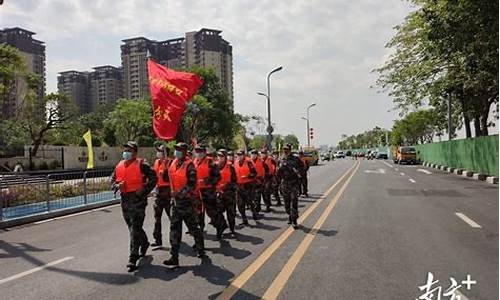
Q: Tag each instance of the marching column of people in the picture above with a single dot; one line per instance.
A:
(217, 184)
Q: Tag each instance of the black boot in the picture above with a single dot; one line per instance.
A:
(132, 264)
(244, 222)
(294, 224)
(255, 216)
(157, 243)
(201, 254)
(144, 249)
(173, 261)
(289, 220)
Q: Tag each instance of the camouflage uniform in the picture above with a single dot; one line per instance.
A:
(134, 210)
(303, 178)
(183, 210)
(288, 175)
(245, 195)
(163, 202)
(227, 197)
(258, 189)
(275, 184)
(212, 205)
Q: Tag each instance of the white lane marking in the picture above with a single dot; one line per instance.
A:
(460, 296)
(389, 165)
(412, 180)
(402, 174)
(44, 221)
(379, 171)
(76, 214)
(17, 276)
(468, 220)
(424, 171)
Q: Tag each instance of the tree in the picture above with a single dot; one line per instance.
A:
(131, 120)
(12, 66)
(291, 139)
(209, 116)
(446, 51)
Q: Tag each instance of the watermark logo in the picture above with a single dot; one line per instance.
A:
(433, 291)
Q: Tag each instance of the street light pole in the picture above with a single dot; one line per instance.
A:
(308, 133)
(270, 128)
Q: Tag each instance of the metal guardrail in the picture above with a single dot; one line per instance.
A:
(43, 194)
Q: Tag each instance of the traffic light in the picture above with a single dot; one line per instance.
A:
(311, 133)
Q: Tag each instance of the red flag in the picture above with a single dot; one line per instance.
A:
(170, 92)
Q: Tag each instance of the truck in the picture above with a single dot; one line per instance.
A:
(404, 154)
(311, 155)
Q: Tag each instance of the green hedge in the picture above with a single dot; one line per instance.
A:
(475, 154)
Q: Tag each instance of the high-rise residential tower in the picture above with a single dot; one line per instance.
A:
(33, 53)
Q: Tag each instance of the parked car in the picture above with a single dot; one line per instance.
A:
(348, 153)
(339, 154)
(382, 155)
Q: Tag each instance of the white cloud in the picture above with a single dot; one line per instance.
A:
(327, 49)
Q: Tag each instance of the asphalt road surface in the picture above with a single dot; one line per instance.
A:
(369, 230)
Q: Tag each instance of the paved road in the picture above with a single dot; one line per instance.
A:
(368, 231)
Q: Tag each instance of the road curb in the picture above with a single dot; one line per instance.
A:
(492, 179)
(55, 214)
(463, 173)
(467, 173)
(479, 176)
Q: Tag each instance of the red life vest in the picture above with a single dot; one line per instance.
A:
(202, 172)
(178, 176)
(259, 167)
(225, 177)
(242, 172)
(160, 168)
(131, 176)
(271, 165)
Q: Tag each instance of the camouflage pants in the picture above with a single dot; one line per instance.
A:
(183, 211)
(213, 208)
(228, 200)
(267, 189)
(163, 202)
(245, 197)
(303, 184)
(134, 212)
(275, 190)
(289, 190)
(257, 193)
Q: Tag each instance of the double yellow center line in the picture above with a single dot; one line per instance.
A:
(280, 281)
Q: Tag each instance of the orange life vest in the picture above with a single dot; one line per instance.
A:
(259, 167)
(242, 172)
(225, 177)
(178, 176)
(160, 168)
(271, 165)
(130, 175)
(202, 172)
